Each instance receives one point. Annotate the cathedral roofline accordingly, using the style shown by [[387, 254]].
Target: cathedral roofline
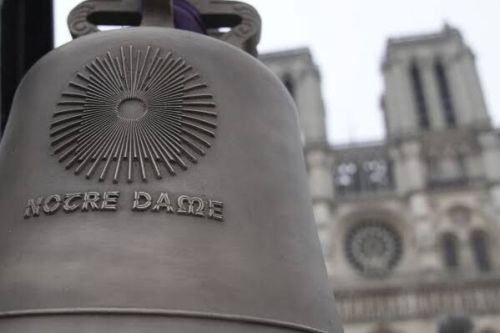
[[356, 146], [447, 32], [359, 145], [395, 44]]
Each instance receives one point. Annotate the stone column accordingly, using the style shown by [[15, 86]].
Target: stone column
[[476, 96], [400, 110], [412, 184], [415, 171], [310, 104], [490, 145], [320, 167], [466, 92]]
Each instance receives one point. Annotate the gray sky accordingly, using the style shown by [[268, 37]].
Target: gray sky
[[348, 38]]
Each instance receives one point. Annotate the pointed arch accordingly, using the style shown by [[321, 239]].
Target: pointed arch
[[450, 250], [444, 93], [479, 242], [419, 95], [456, 324], [289, 83]]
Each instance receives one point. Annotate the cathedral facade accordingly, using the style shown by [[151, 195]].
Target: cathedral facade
[[410, 226]]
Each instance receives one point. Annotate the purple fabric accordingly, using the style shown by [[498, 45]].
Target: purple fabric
[[187, 17]]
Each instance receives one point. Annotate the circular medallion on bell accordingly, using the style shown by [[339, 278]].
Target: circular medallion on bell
[[133, 113]]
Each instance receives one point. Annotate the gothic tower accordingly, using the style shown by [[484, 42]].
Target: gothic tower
[[301, 77], [440, 140], [409, 224]]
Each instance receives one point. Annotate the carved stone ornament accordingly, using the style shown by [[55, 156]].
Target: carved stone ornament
[[133, 112]]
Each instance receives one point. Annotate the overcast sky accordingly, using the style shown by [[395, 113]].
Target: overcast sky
[[348, 38]]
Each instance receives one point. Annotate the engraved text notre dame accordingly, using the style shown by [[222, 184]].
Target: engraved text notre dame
[[140, 201]]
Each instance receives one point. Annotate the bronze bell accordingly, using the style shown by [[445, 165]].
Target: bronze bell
[[152, 180]]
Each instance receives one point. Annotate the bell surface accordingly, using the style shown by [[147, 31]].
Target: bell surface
[[152, 180]]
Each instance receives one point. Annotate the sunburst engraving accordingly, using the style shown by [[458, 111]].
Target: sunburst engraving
[[132, 113]]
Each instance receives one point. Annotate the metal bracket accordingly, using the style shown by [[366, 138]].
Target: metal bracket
[[243, 21], [85, 17], [234, 22]]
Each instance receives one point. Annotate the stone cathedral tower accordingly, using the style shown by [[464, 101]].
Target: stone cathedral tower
[[302, 78], [410, 225]]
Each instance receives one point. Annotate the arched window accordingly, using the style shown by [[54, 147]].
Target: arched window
[[450, 248], [419, 96], [456, 324], [444, 93], [289, 84], [480, 249]]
